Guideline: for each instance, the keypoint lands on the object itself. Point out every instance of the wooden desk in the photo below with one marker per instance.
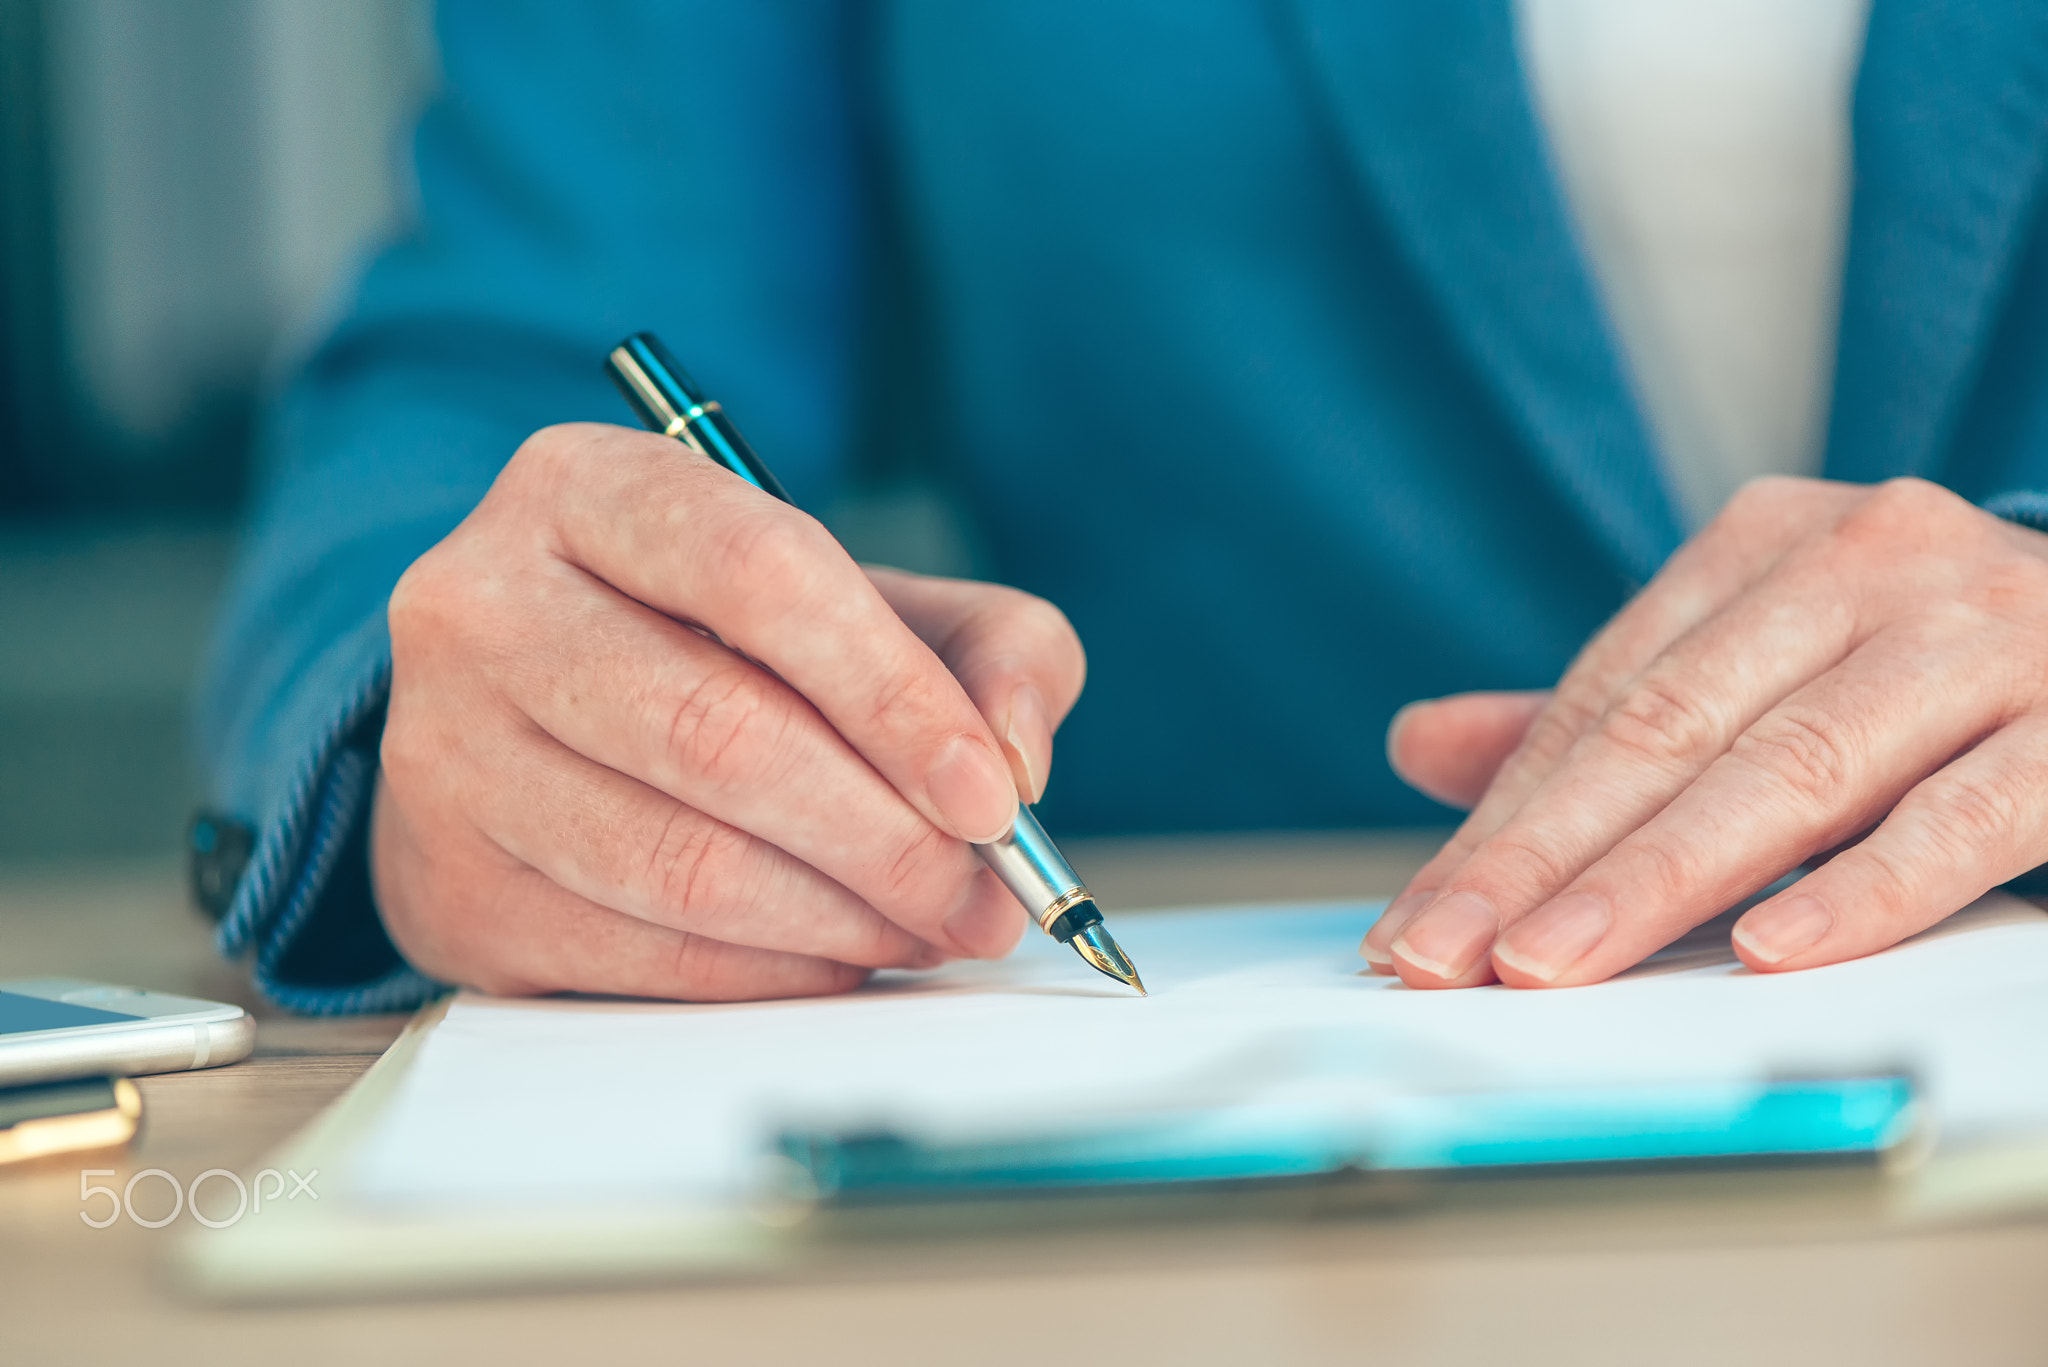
(1660, 1271)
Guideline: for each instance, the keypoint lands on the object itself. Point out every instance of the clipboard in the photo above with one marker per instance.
(337, 1249)
(1755, 1155)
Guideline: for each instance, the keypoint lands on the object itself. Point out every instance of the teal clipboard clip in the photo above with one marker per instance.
(1690, 1124)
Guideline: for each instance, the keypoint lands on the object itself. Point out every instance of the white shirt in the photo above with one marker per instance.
(1703, 146)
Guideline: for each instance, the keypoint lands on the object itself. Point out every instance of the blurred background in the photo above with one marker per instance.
(184, 184)
(186, 187)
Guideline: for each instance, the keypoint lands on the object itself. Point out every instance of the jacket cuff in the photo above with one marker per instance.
(2027, 507)
(303, 902)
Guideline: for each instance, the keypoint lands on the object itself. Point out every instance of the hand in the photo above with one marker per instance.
(1825, 668)
(581, 791)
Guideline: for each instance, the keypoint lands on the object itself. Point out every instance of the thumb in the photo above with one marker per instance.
(1450, 748)
(1015, 654)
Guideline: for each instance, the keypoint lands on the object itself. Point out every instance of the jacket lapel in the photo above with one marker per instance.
(1429, 102)
(1951, 129)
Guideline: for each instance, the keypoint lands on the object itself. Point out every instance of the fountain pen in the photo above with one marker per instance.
(1030, 865)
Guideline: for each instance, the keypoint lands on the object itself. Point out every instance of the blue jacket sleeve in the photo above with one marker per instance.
(586, 171)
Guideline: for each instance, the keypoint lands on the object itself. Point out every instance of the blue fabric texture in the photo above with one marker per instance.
(1253, 334)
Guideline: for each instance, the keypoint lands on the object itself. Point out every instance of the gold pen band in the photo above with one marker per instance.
(1059, 908)
(684, 419)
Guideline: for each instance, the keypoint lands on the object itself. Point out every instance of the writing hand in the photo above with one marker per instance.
(580, 791)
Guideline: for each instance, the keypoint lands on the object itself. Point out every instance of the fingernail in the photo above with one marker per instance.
(972, 791)
(1388, 926)
(1448, 939)
(1029, 736)
(928, 956)
(1553, 938)
(985, 923)
(1775, 933)
(1399, 724)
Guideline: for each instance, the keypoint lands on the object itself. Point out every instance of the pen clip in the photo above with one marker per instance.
(667, 400)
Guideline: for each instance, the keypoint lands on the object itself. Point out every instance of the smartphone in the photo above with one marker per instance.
(57, 1028)
(63, 1117)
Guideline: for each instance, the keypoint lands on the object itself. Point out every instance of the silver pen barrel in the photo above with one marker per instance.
(1034, 870)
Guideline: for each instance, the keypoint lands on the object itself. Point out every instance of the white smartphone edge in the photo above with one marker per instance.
(173, 1034)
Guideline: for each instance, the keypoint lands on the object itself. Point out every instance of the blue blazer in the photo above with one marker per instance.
(1254, 335)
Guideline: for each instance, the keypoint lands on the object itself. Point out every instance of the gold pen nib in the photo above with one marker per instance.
(1095, 945)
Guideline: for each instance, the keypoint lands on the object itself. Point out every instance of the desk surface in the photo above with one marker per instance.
(1655, 1270)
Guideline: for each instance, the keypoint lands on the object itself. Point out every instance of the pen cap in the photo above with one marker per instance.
(660, 391)
(668, 401)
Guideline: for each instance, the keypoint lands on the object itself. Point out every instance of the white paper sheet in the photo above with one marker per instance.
(626, 1103)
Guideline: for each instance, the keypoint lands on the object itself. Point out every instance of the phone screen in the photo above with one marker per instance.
(19, 1014)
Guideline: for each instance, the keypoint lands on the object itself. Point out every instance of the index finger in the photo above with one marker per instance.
(698, 543)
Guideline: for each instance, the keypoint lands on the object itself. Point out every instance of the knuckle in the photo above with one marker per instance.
(403, 752)
(719, 725)
(464, 598)
(1518, 864)
(1887, 875)
(693, 864)
(1910, 495)
(1557, 728)
(1969, 818)
(421, 605)
(1808, 751)
(698, 965)
(770, 556)
(1662, 868)
(1661, 721)
(1900, 514)
(918, 880)
(1446, 862)
(422, 757)
(550, 454)
(877, 941)
(906, 704)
